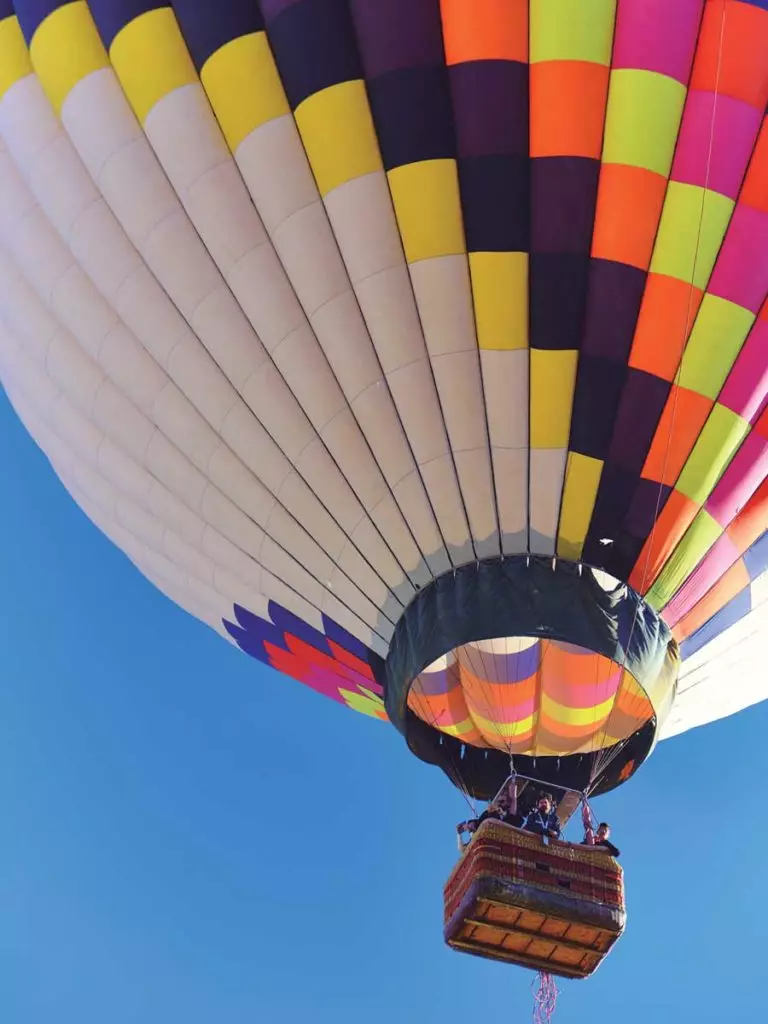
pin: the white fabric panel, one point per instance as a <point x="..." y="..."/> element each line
<point x="310" y="253"/>
<point x="193" y="153"/>
<point x="505" y="383"/>
<point x="444" y="299"/>
<point x="727" y="675"/>
<point x="276" y="196"/>
<point x="116" y="417"/>
<point x="170" y="556"/>
<point x="164" y="403"/>
<point x="213" y="193"/>
<point x="546" y="487"/>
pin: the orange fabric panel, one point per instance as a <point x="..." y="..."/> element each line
<point x="629" y="202"/>
<point x="749" y="524"/>
<point x="485" y="30"/>
<point x="732" y="52"/>
<point x="679" y="427"/>
<point x="568" y="108"/>
<point x="666" y="317"/>
<point x="676" y="516"/>
<point x="754" y="191"/>
<point x="727" y="587"/>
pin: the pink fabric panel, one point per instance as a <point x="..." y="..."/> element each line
<point x="715" y="157"/>
<point x="718" y="560"/>
<point x="741" y="272"/>
<point x="745" y="389"/>
<point x="657" y="35"/>
<point x="740" y="481"/>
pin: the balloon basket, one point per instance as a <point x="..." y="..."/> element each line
<point x="549" y="906"/>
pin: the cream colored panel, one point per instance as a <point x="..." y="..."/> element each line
<point x="510" y="467"/>
<point x="274" y="556"/>
<point x="362" y="217"/>
<point x="114" y="414"/>
<point x="175" y="122"/>
<point x="308" y="251"/>
<point x="276" y="144"/>
<point x="505" y="382"/>
<point x="546" y="484"/>
<point x="389" y="308"/>
<point x="191" y="367"/>
<point x="444" y="300"/>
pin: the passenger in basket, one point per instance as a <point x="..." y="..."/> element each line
<point x="601" y="838"/>
<point x="543" y="819"/>
<point x="503" y="808"/>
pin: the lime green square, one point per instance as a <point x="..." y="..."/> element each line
<point x="643" y="119"/>
<point x="720" y="330"/>
<point x="698" y="539"/>
<point x="717" y="444"/>
<point x="693" y="224"/>
<point x="572" y="30"/>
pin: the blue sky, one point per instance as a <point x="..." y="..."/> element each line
<point x="188" y="836"/>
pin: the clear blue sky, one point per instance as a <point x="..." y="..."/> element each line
<point x="187" y="836"/>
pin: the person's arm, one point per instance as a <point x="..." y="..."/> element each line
<point x="554" y="826"/>
<point x="589" y="834"/>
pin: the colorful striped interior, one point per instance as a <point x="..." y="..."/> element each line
<point x="529" y="696"/>
<point x="310" y="301"/>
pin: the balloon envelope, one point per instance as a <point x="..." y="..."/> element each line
<point x="317" y="306"/>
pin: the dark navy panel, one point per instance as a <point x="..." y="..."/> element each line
<point x="728" y="616"/>
<point x="629" y="536"/>
<point x="113" y="15"/>
<point x="271" y="9"/>
<point x="32" y="13"/>
<point x="640" y="409"/>
<point x="490" y="105"/>
<point x="207" y="25"/>
<point x="412" y="113"/>
<point x="613" y="305"/>
<point x="314" y="46"/>
<point x="621" y="556"/>
<point x="494" y="199"/>
<point x="558" y="285"/>
<point x="646" y="507"/>
<point x="7" y="9"/>
<point x="398" y="34"/>
<point x="756" y="557"/>
<point x="614" y="496"/>
<point x="599" y="385"/>
<point x="563" y="194"/>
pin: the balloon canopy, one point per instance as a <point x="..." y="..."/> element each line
<point x="372" y="332"/>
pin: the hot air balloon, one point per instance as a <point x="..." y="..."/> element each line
<point x="419" y="347"/>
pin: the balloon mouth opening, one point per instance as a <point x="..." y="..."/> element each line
<point x="530" y="695"/>
<point x="533" y="659"/>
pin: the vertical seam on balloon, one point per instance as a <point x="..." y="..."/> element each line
<point x="384" y="379"/>
<point x="447" y="88"/>
<point x="76" y="459"/>
<point x="691" y="319"/>
<point x="316" y="432"/>
<point x="227" y="285"/>
<point x="568" y="461"/>
<point x="653" y="249"/>
<point x="156" y="428"/>
<point x="407" y="265"/>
